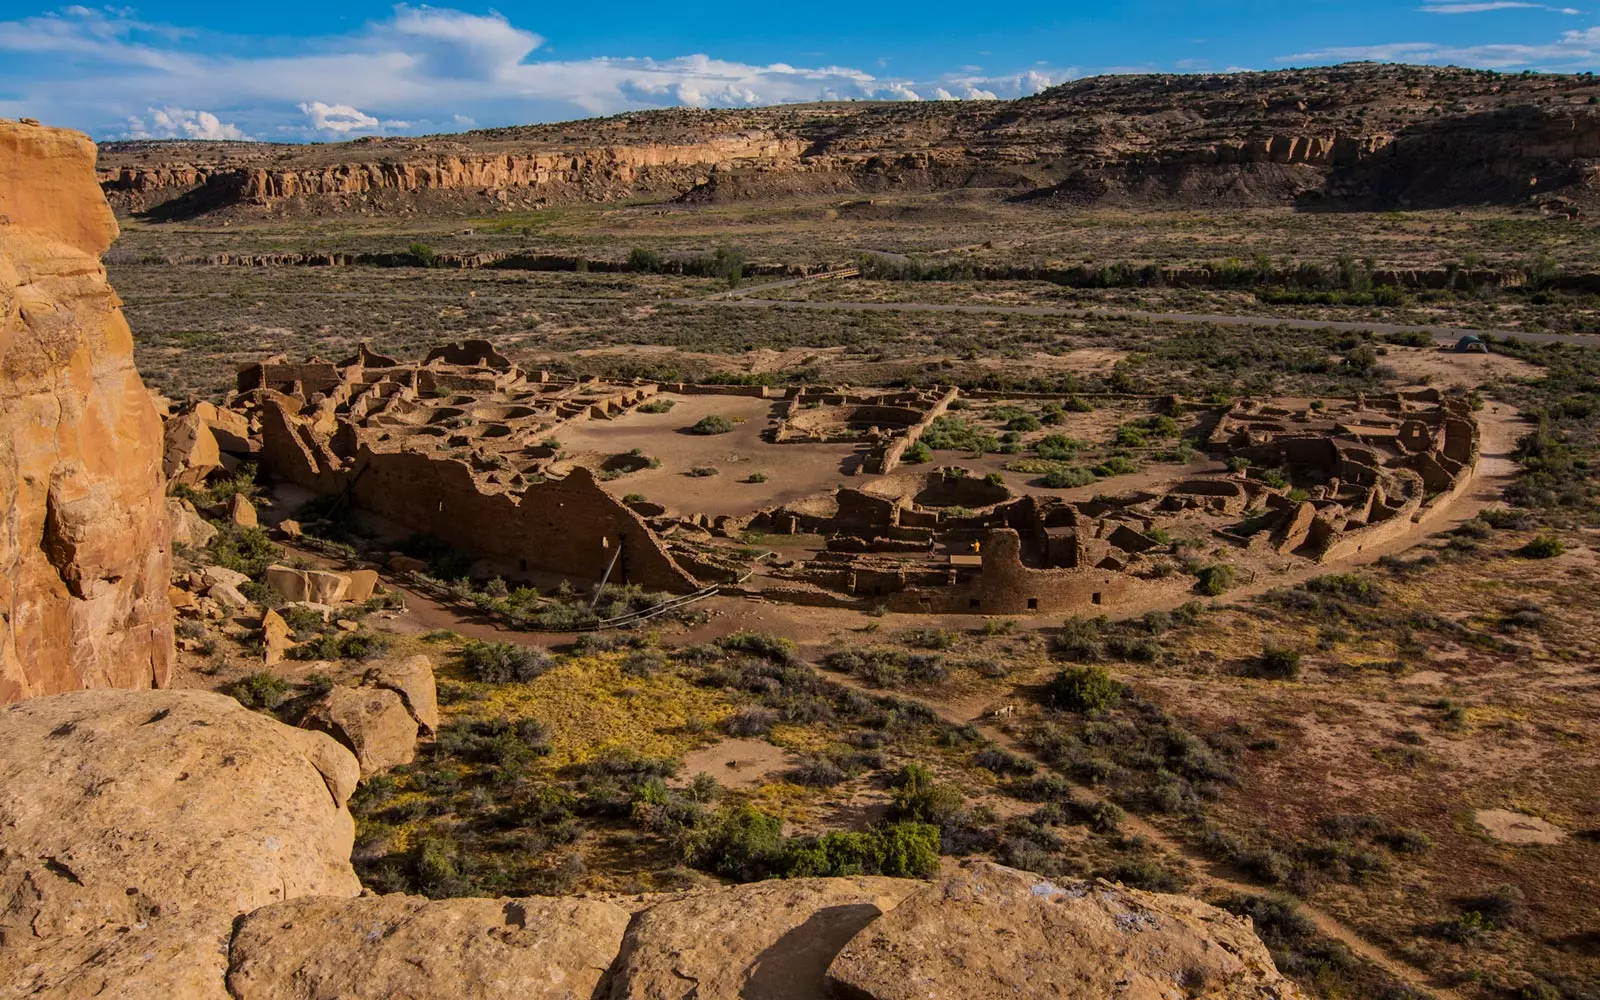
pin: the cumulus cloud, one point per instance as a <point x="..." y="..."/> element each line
<point x="180" y="123"/>
<point x="338" y="118"/>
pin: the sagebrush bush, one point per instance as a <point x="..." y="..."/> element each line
<point x="1082" y="689"/>
<point x="504" y="662"/>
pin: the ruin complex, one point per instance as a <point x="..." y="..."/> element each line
<point x="466" y="447"/>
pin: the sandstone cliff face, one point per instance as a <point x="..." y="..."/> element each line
<point x="1350" y="135"/>
<point x="84" y="554"/>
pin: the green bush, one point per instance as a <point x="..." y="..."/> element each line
<point x="657" y="406"/>
<point x="713" y="424"/>
<point x="1542" y="547"/>
<point x="503" y="662"/>
<point x="1215" y="580"/>
<point x="1068" y="478"/>
<point x="916" y="796"/>
<point x="644" y="261"/>
<point x="1082" y="689"/>
<point x="1279" y="662"/>
<point x="898" y="850"/>
<point x="1058" y="447"/>
<point x="917" y="454"/>
<point x="262" y="691"/>
<point x="243" y="550"/>
<point x="740" y="844"/>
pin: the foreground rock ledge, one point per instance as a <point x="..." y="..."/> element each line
<point x="996" y="932"/>
<point x="173" y="844"/>
<point x="123" y="811"/>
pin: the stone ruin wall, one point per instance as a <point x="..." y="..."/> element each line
<point x="568" y="526"/>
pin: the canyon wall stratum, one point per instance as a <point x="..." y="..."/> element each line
<point x="84" y="554"/>
<point x="1354" y="136"/>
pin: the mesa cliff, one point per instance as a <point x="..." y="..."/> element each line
<point x="1346" y="136"/>
<point x="84" y="557"/>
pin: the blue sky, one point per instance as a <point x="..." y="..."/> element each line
<point x="299" y="70"/>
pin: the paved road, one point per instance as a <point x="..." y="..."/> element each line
<point x="1442" y="334"/>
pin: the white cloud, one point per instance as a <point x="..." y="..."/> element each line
<point x="1573" y="50"/>
<point x="1491" y="5"/>
<point x="418" y="69"/>
<point x="181" y="123"/>
<point x="338" y="118"/>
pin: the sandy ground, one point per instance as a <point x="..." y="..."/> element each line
<point x="1518" y="828"/>
<point x="793" y="471"/>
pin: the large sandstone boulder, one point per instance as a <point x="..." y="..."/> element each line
<point x="84" y="557"/>
<point x="764" y="941"/>
<point x="372" y="722"/>
<point x="320" y="586"/>
<point x="992" y="932"/>
<point x="230" y="429"/>
<point x="190" y="452"/>
<point x="187" y="526"/>
<point x="383" y="947"/>
<point x="412" y="679"/>
<point x="119" y="807"/>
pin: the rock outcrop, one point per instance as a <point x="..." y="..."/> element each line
<point x="993" y="932"/>
<point x="381" y="947"/>
<point x="174" y="844"/>
<point x="764" y="941"/>
<point x="372" y="722"/>
<point x="140" y="823"/>
<point x="85" y="554"/>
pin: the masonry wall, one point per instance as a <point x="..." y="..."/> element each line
<point x="569" y="527"/>
<point x="1006" y="586"/>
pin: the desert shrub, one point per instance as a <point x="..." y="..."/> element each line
<point x="751" y="721"/>
<point x="713" y="424"/>
<point x="756" y="477"/>
<point x="1116" y="465"/>
<point x="898" y="850"/>
<point x="658" y="406"/>
<point x="1542" y="547"/>
<point x="1082" y="689"/>
<point x="740" y="843"/>
<point x="765" y="645"/>
<point x="955" y="434"/>
<point x="1214" y="580"/>
<point x="818" y="772"/>
<point x="342" y="646"/>
<point x="644" y="261"/>
<point x="1003" y="762"/>
<point x="644" y="663"/>
<point x="503" y="662"/>
<point x="916" y="796"/>
<point x="1278" y="662"/>
<point x="243" y="550"/>
<point x="1068" y="478"/>
<point x="932" y="638"/>
<point x="1058" y="447"/>
<point x="1079" y="640"/>
<point x="261" y="690"/>
<point x="917" y="454"/>
<point x="702" y="471"/>
<point x="1346" y="586"/>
